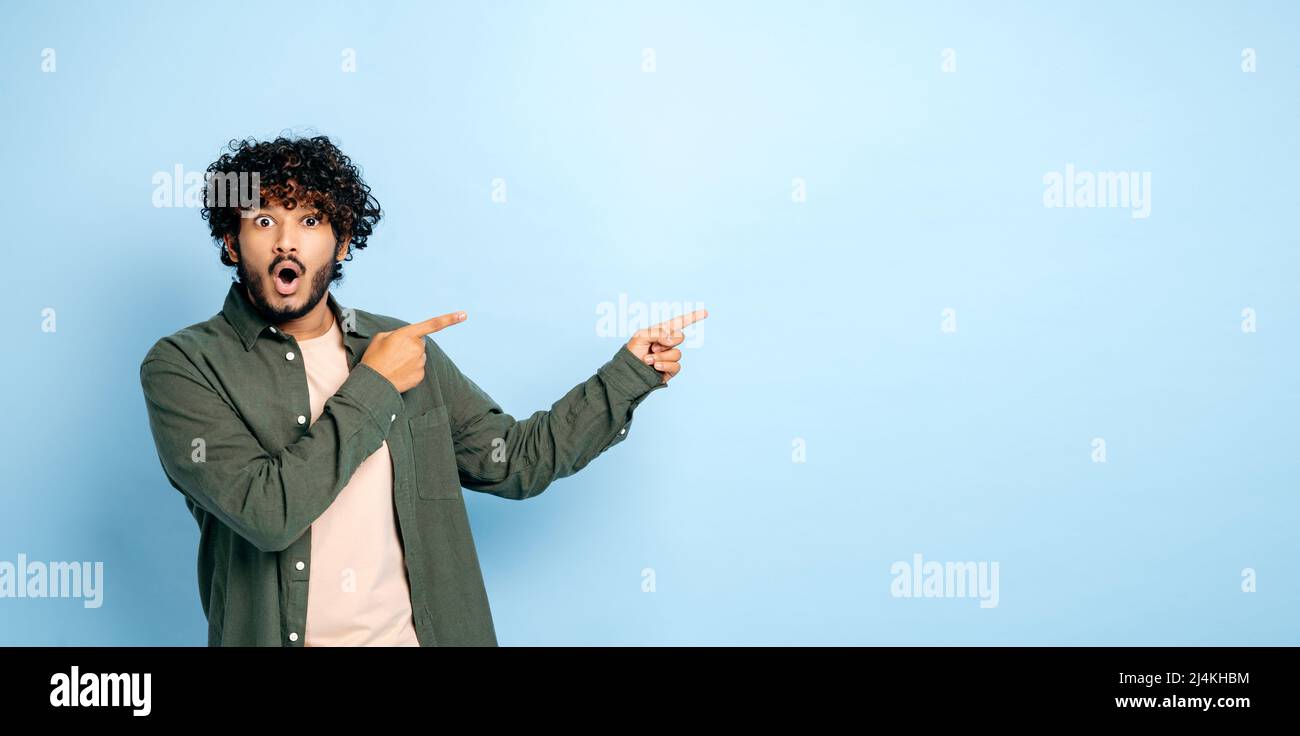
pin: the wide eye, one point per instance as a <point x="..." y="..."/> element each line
<point x="264" y="221"/>
<point x="310" y="221"/>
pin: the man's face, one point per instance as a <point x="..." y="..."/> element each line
<point x="285" y="259"/>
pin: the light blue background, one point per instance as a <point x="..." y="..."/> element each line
<point x="924" y="193"/>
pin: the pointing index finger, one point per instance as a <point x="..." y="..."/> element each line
<point x="433" y="324"/>
<point x="680" y="321"/>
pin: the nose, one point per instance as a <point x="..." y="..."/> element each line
<point x="287" y="243"/>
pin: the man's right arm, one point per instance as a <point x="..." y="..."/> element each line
<point x="268" y="498"/>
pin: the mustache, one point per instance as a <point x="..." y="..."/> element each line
<point x="275" y="265"/>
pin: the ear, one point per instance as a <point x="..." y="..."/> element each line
<point x="230" y="248"/>
<point x="343" y="249"/>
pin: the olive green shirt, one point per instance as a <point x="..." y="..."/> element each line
<point x="229" y="408"/>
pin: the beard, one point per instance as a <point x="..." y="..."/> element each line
<point x="256" y="289"/>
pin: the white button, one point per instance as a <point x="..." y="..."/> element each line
<point x="272" y="330"/>
<point x="302" y="419"/>
<point x="288" y="356"/>
<point x="293" y="636"/>
<point x="300" y="565"/>
<point x="622" y="431"/>
<point x="393" y="419"/>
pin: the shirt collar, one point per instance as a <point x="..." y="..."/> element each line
<point x="249" y="323"/>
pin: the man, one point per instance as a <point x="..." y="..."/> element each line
<point x="322" y="450"/>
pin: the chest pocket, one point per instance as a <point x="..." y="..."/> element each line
<point x="435" y="457"/>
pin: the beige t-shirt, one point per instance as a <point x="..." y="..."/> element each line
<point x="358" y="593"/>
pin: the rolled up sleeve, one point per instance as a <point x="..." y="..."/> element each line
<point x="518" y="459"/>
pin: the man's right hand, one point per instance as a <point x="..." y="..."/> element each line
<point x="399" y="355"/>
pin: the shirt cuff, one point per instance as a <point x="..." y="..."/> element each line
<point x="368" y="388"/>
<point x="630" y="375"/>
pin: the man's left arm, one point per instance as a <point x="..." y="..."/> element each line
<point x="518" y="459"/>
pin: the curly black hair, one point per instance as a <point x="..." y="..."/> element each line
<point x="293" y="171"/>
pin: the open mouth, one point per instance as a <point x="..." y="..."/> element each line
<point x="287" y="277"/>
